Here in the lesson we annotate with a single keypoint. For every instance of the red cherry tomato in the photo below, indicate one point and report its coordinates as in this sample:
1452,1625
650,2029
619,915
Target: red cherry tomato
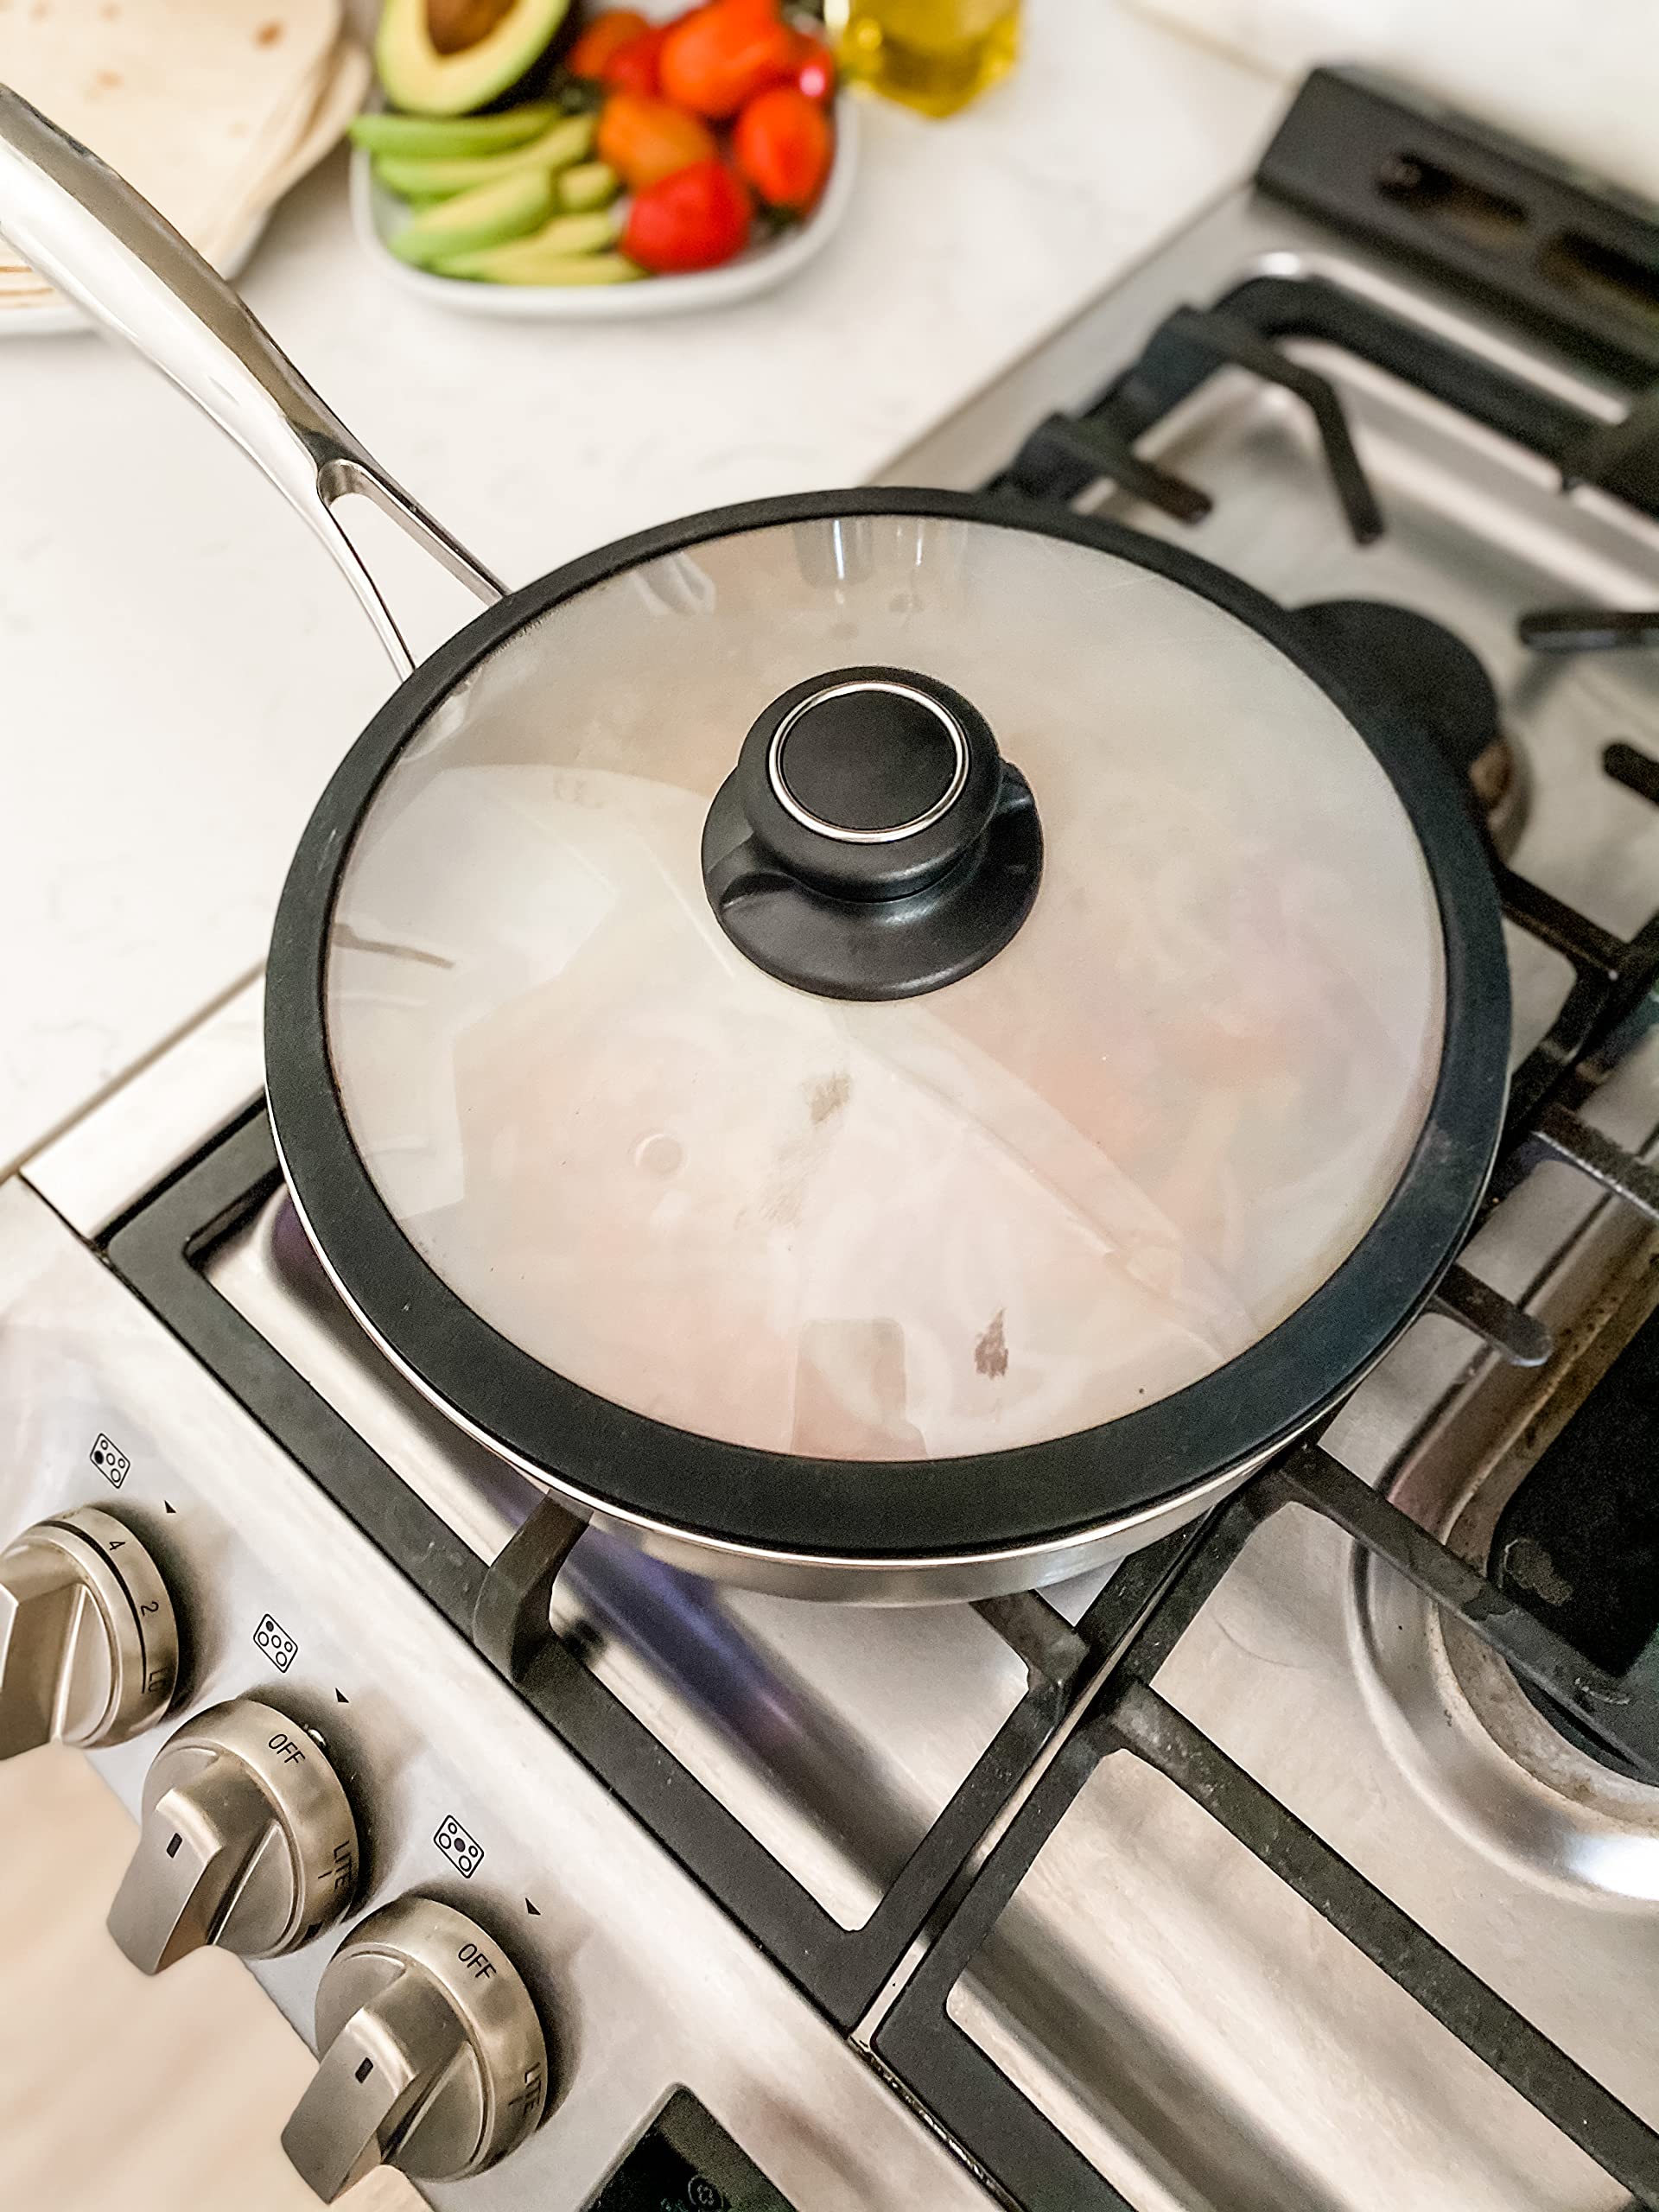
718,57
644,141
814,67
618,27
693,219
783,146
633,68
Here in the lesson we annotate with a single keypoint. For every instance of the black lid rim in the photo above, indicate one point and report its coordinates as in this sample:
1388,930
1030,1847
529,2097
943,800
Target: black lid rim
1035,1495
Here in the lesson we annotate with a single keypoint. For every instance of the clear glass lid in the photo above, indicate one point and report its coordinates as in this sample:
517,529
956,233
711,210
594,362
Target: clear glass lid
1159,1102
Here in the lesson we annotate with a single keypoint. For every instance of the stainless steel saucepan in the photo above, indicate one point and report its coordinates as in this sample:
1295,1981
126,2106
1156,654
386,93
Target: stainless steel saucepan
883,1045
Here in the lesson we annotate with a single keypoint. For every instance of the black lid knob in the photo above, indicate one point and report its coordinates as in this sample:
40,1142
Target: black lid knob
872,842
868,761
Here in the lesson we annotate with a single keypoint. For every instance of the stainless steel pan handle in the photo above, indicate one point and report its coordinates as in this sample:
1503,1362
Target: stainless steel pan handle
92,235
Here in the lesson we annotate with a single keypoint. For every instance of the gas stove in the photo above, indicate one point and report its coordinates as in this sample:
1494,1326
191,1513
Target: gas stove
1311,1860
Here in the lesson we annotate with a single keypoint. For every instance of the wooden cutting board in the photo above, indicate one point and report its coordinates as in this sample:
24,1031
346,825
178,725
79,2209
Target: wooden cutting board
115,2091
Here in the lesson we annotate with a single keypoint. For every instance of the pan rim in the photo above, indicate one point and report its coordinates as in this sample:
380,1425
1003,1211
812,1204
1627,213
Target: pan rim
1039,1497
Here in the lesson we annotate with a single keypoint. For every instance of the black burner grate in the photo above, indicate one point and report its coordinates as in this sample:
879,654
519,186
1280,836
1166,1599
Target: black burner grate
1163,1589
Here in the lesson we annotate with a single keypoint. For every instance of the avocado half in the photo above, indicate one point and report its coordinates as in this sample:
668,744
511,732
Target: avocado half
420,80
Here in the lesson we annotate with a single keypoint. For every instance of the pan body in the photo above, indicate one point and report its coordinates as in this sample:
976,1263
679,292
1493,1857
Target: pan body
947,1528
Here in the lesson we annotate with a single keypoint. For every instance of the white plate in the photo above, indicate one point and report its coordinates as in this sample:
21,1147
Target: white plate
378,212
62,321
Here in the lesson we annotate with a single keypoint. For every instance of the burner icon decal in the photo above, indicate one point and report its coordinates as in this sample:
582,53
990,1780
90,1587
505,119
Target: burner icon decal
463,1852
109,1459
278,1646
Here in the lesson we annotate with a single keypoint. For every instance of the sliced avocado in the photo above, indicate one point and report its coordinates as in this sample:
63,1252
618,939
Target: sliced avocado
565,142
428,139
419,77
486,216
565,238
551,268
588,185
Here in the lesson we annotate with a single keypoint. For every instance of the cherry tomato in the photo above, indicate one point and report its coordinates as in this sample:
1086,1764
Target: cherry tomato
814,67
695,219
784,147
720,55
603,37
646,140
633,68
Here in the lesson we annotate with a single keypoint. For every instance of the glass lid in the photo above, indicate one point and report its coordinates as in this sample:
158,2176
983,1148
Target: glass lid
887,987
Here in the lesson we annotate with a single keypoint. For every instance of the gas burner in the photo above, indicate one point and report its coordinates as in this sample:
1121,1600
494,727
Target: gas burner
1374,647
1533,1792
1578,1543
1538,1482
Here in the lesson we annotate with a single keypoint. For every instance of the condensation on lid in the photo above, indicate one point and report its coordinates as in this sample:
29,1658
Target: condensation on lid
1026,1205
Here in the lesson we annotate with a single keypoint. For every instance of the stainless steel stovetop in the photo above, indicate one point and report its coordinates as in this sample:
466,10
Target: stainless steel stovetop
924,1906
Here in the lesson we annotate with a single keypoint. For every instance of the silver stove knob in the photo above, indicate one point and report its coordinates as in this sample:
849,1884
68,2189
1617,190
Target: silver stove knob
433,2059
89,1643
248,1841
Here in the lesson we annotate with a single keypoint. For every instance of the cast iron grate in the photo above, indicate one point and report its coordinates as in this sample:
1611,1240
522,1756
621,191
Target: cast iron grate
1065,456
1157,1597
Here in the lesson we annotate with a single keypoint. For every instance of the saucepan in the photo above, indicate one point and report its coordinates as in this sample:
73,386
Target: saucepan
882,1045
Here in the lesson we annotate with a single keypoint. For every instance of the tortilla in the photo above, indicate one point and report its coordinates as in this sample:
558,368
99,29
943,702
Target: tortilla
210,108
345,87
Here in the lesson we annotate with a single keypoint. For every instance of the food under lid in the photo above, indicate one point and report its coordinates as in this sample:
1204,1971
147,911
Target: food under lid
1097,1148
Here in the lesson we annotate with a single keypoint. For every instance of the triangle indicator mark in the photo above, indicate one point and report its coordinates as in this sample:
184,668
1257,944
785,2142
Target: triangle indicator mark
534,1910
340,1698
171,1509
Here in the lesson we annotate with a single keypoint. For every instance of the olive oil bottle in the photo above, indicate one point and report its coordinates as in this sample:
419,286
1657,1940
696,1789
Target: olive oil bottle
932,54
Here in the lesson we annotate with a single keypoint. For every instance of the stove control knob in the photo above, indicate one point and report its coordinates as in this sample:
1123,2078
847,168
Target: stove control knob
248,1841
433,2059
89,1645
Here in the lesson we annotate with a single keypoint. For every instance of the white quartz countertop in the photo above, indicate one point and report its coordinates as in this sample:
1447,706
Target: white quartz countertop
182,664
